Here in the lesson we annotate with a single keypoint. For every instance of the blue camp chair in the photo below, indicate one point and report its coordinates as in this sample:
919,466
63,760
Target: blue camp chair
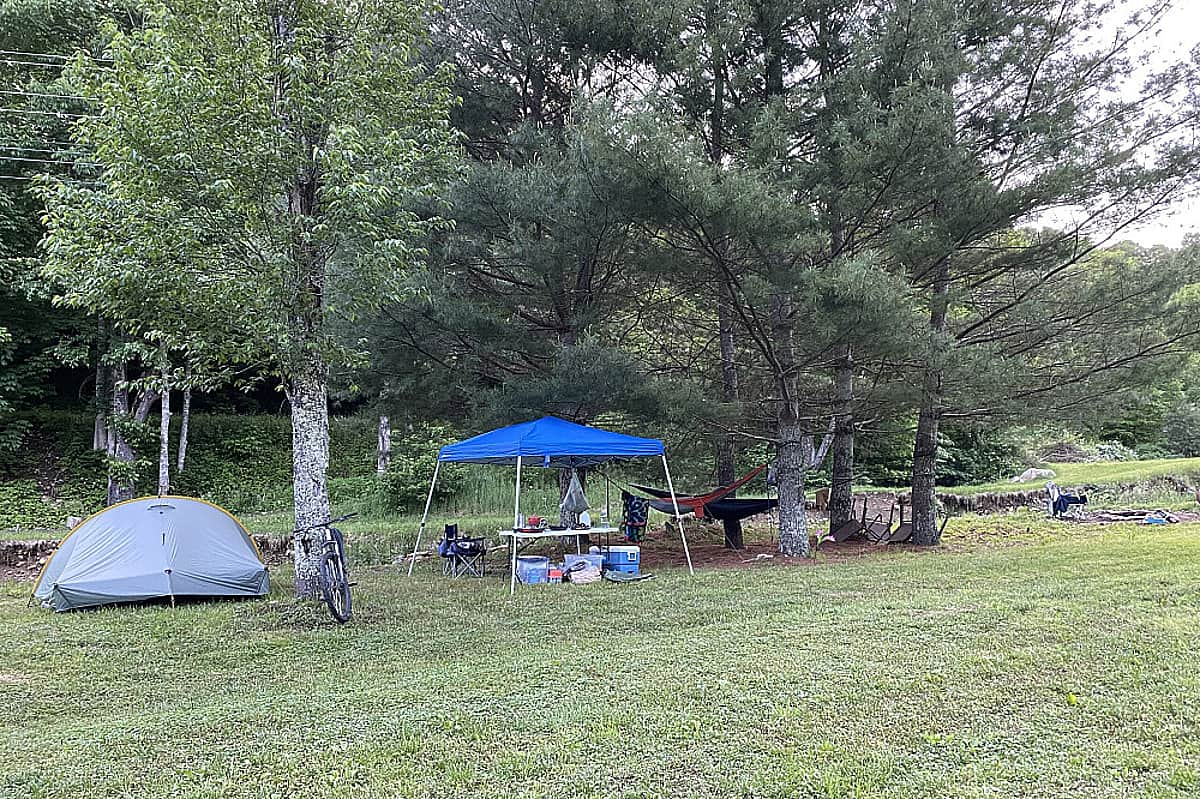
1059,503
462,557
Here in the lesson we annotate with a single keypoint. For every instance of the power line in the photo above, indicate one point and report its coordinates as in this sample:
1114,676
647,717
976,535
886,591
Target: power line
48,113
47,161
37,149
73,181
9,62
57,56
66,144
50,96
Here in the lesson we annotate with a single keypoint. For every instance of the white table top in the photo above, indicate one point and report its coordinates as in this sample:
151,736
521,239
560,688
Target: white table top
548,533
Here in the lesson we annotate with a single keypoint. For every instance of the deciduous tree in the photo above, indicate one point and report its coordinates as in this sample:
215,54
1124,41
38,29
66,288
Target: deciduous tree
264,169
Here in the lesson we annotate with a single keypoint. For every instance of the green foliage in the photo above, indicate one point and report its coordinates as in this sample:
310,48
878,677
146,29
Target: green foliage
884,457
976,456
1181,430
213,114
34,337
1115,451
240,462
24,507
414,455
1100,473
54,475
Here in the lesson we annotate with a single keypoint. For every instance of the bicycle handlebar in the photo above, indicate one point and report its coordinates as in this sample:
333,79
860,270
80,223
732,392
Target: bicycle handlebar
342,518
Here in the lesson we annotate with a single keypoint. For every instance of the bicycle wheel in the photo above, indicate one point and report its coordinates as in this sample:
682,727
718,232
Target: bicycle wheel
335,588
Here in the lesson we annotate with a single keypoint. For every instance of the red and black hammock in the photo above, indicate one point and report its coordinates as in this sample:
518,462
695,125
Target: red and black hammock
711,505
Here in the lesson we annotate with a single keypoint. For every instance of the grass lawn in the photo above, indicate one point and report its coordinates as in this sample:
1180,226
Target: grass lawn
1101,473
1054,667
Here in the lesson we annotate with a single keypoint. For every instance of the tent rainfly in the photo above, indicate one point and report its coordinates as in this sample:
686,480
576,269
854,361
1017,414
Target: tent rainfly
152,548
551,443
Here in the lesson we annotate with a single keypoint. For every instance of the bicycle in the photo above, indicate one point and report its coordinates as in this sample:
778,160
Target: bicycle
332,575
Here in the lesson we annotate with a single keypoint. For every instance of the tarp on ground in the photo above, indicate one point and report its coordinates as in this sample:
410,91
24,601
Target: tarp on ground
550,442
151,548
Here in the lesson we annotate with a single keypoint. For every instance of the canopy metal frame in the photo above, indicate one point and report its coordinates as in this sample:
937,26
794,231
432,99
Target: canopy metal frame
512,586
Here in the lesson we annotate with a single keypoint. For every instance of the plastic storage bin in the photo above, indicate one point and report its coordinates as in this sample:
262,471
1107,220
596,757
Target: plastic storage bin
533,569
596,560
622,559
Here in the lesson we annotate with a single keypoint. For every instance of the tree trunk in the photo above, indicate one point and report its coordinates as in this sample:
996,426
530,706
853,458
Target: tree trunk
841,489
120,487
308,394
924,472
727,443
734,535
164,433
185,414
306,371
145,404
103,391
793,457
790,467
730,392
383,446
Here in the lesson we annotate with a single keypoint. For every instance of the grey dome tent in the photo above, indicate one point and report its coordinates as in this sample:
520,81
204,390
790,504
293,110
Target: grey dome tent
152,548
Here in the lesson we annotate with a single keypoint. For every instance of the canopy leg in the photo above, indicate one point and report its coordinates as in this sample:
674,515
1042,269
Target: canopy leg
607,509
512,580
678,517
424,516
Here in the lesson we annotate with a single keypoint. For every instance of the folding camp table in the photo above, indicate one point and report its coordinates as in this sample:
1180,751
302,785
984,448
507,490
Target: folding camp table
551,443
520,539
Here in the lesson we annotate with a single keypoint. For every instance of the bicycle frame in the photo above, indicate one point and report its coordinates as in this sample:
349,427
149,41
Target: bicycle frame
332,574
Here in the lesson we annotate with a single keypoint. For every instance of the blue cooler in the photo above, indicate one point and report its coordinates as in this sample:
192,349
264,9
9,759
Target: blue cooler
533,569
622,559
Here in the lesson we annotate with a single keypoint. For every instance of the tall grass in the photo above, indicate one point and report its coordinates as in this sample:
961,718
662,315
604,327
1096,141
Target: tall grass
1098,473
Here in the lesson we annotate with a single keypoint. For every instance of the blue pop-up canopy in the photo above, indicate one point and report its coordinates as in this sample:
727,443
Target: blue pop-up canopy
550,442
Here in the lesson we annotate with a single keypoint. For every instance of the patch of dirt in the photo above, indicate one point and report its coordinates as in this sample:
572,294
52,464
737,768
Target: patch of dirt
664,550
706,541
1103,517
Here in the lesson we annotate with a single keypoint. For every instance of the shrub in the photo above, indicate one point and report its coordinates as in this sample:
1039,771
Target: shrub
413,459
976,456
237,461
1181,428
1114,451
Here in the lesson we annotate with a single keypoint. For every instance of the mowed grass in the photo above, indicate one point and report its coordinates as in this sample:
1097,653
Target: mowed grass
1066,667
1099,473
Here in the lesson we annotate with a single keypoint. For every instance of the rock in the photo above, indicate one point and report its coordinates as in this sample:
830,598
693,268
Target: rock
1033,474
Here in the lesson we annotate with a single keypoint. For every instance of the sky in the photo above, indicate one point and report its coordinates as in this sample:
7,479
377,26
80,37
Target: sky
1178,36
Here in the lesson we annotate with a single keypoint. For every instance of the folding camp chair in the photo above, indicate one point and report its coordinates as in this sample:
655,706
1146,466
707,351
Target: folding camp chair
877,529
462,557
1059,503
903,531
851,528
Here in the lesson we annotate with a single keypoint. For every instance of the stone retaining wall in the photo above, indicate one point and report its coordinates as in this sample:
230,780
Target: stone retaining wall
33,554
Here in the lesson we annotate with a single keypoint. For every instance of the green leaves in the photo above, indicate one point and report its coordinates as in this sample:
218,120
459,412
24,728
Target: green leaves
255,167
